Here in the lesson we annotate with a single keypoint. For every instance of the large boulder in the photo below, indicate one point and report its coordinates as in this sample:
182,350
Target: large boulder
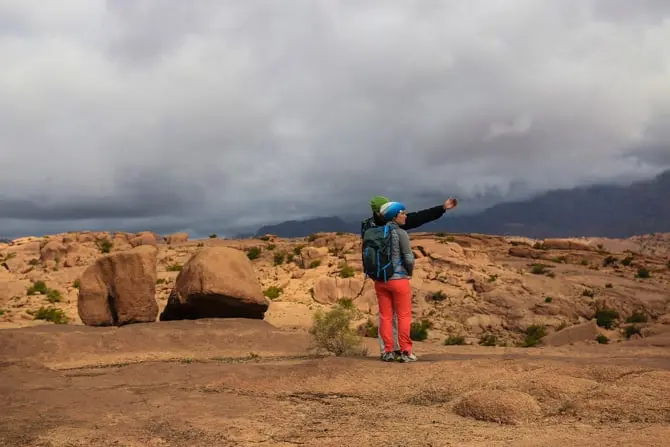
120,288
217,282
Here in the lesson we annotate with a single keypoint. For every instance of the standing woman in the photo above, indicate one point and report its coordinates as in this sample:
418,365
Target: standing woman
395,295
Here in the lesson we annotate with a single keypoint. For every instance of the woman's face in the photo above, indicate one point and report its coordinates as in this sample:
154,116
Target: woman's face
401,218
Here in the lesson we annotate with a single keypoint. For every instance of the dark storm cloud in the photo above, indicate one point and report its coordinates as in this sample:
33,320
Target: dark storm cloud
223,114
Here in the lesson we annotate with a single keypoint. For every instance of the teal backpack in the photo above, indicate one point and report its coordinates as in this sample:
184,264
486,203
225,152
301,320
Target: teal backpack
377,262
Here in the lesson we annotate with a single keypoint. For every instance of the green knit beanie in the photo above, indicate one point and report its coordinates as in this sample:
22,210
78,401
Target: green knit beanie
376,203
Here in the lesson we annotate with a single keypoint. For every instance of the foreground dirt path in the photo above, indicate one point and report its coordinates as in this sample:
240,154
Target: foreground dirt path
244,383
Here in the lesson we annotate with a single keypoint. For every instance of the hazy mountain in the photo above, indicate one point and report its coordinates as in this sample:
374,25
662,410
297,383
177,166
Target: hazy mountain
599,210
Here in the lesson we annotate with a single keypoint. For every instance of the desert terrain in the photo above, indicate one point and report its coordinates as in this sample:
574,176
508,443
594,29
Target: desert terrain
520,342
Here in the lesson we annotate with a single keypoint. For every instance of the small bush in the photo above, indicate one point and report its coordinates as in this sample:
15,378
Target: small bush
76,284
438,296
160,281
104,245
493,278
627,260
264,238
610,260
38,287
51,314
587,292
637,317
289,257
34,262
213,236
643,273
603,340
312,237
547,299
271,247
253,253
488,340
346,303
606,317
279,258
539,269
608,285
314,264
347,271
370,330
176,267
273,292
631,330
419,331
54,296
297,250
454,340
534,335
332,333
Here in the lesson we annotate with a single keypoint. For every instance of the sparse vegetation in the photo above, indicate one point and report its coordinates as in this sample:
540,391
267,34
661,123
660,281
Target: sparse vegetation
312,237
264,238
273,292
539,269
608,285
160,281
547,299
437,296
627,260
271,247
278,258
346,303
606,317
637,317
602,339
176,267
643,273
54,296
76,284
418,331
51,314
488,340
314,264
534,335
493,278
104,245
369,329
588,293
631,330
610,260
454,340
213,236
38,286
331,332
253,253
347,271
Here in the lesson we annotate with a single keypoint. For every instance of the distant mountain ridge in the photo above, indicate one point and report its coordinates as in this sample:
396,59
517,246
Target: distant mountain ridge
601,210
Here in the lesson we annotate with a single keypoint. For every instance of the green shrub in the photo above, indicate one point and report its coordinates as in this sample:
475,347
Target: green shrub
347,271
51,314
419,331
539,269
38,287
608,285
488,340
603,340
314,264
273,292
610,260
76,284
271,247
627,260
637,317
54,296
438,296
346,303
176,267
104,245
253,253
587,292
606,317
331,332
453,340
547,299
534,335
213,236
370,330
643,273
631,330
279,258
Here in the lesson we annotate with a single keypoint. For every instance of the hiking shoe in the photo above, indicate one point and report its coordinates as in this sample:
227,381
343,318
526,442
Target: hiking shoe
407,357
388,357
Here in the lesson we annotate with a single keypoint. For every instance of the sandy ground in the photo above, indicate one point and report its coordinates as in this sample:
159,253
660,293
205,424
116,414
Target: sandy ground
246,383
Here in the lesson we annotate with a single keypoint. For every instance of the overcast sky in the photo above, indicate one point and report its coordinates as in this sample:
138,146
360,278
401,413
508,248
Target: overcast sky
212,115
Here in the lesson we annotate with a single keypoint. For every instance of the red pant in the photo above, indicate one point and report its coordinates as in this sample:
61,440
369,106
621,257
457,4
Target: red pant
395,294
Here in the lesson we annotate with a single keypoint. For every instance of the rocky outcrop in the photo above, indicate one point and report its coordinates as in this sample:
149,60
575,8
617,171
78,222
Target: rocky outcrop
177,238
119,288
217,282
